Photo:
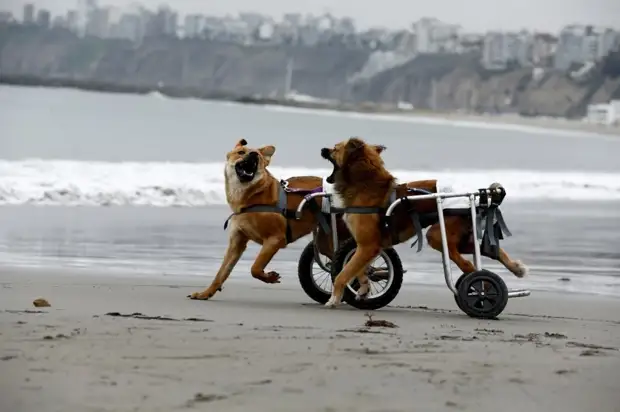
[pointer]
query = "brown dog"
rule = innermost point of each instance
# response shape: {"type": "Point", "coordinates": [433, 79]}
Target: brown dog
{"type": "Point", "coordinates": [362, 181]}
{"type": "Point", "coordinates": [264, 213]}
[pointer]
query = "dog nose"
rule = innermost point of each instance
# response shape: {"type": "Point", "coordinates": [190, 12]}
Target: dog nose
{"type": "Point", "coordinates": [325, 152]}
{"type": "Point", "coordinates": [252, 155]}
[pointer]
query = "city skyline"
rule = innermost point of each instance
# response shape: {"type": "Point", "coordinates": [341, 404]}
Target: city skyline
{"type": "Point", "coordinates": [502, 16]}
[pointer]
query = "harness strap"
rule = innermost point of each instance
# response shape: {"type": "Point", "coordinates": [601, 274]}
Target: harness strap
{"type": "Point", "coordinates": [281, 208]}
{"type": "Point", "coordinates": [417, 227]}
{"type": "Point", "coordinates": [415, 216]}
{"type": "Point", "coordinates": [494, 229]}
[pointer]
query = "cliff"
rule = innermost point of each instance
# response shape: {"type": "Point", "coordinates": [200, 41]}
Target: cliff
{"type": "Point", "coordinates": [458, 82]}
{"type": "Point", "coordinates": [184, 67]}
{"type": "Point", "coordinates": [212, 67]}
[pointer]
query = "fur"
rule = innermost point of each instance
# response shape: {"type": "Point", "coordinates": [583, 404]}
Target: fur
{"type": "Point", "coordinates": [266, 229]}
{"type": "Point", "coordinates": [362, 180]}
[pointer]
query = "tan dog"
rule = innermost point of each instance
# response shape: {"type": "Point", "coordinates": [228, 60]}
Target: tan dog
{"type": "Point", "coordinates": [362, 181]}
{"type": "Point", "coordinates": [255, 197]}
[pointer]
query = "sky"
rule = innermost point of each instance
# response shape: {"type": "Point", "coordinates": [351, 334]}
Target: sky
{"type": "Point", "coordinates": [472, 15]}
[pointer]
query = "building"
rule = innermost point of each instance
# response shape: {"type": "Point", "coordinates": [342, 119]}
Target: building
{"type": "Point", "coordinates": [544, 46]}
{"type": "Point", "coordinates": [84, 13]}
{"type": "Point", "coordinates": [98, 24]}
{"type": "Point", "coordinates": [129, 26]}
{"type": "Point", "coordinates": [72, 20]}
{"type": "Point", "coordinates": [28, 16]}
{"type": "Point", "coordinates": [493, 51]}
{"type": "Point", "coordinates": [608, 41]}
{"type": "Point", "coordinates": [6, 17]}
{"type": "Point", "coordinates": [578, 44]}
{"type": "Point", "coordinates": [604, 113]}
{"type": "Point", "coordinates": [503, 50]}
{"type": "Point", "coordinates": [59, 22]}
{"type": "Point", "coordinates": [44, 18]}
{"type": "Point", "coordinates": [193, 25]}
{"type": "Point", "coordinates": [471, 42]}
{"type": "Point", "coordinates": [433, 36]}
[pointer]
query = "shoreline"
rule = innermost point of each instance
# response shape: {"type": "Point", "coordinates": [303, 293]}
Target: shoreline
{"type": "Point", "coordinates": [269, 348]}
{"type": "Point", "coordinates": [368, 108]}
{"type": "Point", "coordinates": [434, 283]}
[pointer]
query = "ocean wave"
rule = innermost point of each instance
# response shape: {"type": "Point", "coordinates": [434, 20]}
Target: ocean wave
{"type": "Point", "coordinates": [73, 183]}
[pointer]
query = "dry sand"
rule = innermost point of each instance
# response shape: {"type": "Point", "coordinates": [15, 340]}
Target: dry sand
{"type": "Point", "coordinates": [268, 348]}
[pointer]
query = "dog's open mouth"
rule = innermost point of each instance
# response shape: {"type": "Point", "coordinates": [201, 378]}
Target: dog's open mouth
{"type": "Point", "coordinates": [246, 168]}
{"type": "Point", "coordinates": [325, 154]}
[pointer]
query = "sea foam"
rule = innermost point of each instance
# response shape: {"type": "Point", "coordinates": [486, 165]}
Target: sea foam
{"type": "Point", "coordinates": [69, 182]}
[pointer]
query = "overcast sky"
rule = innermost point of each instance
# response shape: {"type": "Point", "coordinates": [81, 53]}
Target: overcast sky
{"type": "Point", "coordinates": [473, 15]}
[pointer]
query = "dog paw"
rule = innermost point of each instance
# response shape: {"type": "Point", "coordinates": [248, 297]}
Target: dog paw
{"type": "Point", "coordinates": [332, 302]}
{"type": "Point", "coordinates": [362, 292]}
{"type": "Point", "coordinates": [521, 270]}
{"type": "Point", "coordinates": [271, 277]}
{"type": "Point", "coordinates": [200, 296]}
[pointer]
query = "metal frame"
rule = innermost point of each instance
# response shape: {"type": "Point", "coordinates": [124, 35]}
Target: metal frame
{"type": "Point", "coordinates": [332, 222]}
{"type": "Point", "coordinates": [439, 198]}
{"type": "Point", "coordinates": [447, 269]}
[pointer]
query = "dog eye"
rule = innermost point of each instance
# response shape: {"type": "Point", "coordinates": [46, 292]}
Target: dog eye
{"type": "Point", "coordinates": [240, 152]}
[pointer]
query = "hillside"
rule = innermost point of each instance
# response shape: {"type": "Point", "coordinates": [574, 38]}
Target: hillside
{"type": "Point", "coordinates": [210, 69]}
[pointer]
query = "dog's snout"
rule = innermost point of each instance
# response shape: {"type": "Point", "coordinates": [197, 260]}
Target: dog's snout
{"type": "Point", "coordinates": [252, 155]}
{"type": "Point", "coordinates": [325, 153]}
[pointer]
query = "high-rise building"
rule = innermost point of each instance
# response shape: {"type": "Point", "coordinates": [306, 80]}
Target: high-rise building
{"type": "Point", "coordinates": [6, 17]}
{"type": "Point", "coordinates": [72, 20]}
{"type": "Point", "coordinates": [28, 17]}
{"type": "Point", "coordinates": [44, 18]}
{"type": "Point", "coordinates": [85, 10]}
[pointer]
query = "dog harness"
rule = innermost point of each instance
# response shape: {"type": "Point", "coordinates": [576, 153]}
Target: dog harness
{"type": "Point", "coordinates": [281, 208]}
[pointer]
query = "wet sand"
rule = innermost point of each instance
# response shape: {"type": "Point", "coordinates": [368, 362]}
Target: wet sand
{"type": "Point", "coordinates": [269, 348]}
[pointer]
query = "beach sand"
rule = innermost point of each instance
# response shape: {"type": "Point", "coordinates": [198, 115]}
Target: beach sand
{"type": "Point", "coordinates": [269, 348]}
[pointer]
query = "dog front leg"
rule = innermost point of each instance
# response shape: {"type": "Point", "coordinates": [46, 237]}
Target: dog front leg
{"type": "Point", "coordinates": [267, 252]}
{"type": "Point", "coordinates": [236, 246]}
{"type": "Point", "coordinates": [354, 268]}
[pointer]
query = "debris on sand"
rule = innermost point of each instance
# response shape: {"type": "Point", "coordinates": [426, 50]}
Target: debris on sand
{"type": "Point", "coordinates": [378, 323]}
{"type": "Point", "coordinates": [139, 315]}
{"type": "Point", "coordinates": [202, 398]}
{"type": "Point", "coordinates": [555, 335]}
{"type": "Point", "coordinates": [589, 346]}
{"type": "Point", "coordinates": [41, 303]}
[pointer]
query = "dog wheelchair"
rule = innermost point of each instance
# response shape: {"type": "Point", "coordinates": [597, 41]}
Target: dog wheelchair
{"type": "Point", "coordinates": [480, 294]}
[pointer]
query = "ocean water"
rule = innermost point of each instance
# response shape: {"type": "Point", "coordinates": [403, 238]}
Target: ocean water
{"type": "Point", "coordinates": [134, 184]}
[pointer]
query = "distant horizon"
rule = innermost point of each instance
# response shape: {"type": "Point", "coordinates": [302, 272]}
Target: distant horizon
{"type": "Point", "coordinates": [555, 14]}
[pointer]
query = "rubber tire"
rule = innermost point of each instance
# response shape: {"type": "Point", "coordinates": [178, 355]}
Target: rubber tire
{"type": "Point", "coordinates": [499, 284]}
{"type": "Point", "coordinates": [372, 303]}
{"type": "Point", "coordinates": [304, 272]}
{"type": "Point", "coordinates": [457, 297]}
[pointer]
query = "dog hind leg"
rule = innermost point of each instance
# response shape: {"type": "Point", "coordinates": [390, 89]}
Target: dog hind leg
{"type": "Point", "coordinates": [516, 267]}
{"type": "Point", "coordinates": [237, 244]}
{"type": "Point", "coordinates": [454, 229]}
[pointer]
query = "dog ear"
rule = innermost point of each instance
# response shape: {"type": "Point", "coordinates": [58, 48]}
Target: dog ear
{"type": "Point", "coordinates": [242, 143]}
{"type": "Point", "coordinates": [379, 148]}
{"type": "Point", "coordinates": [267, 152]}
{"type": "Point", "coordinates": [353, 145]}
